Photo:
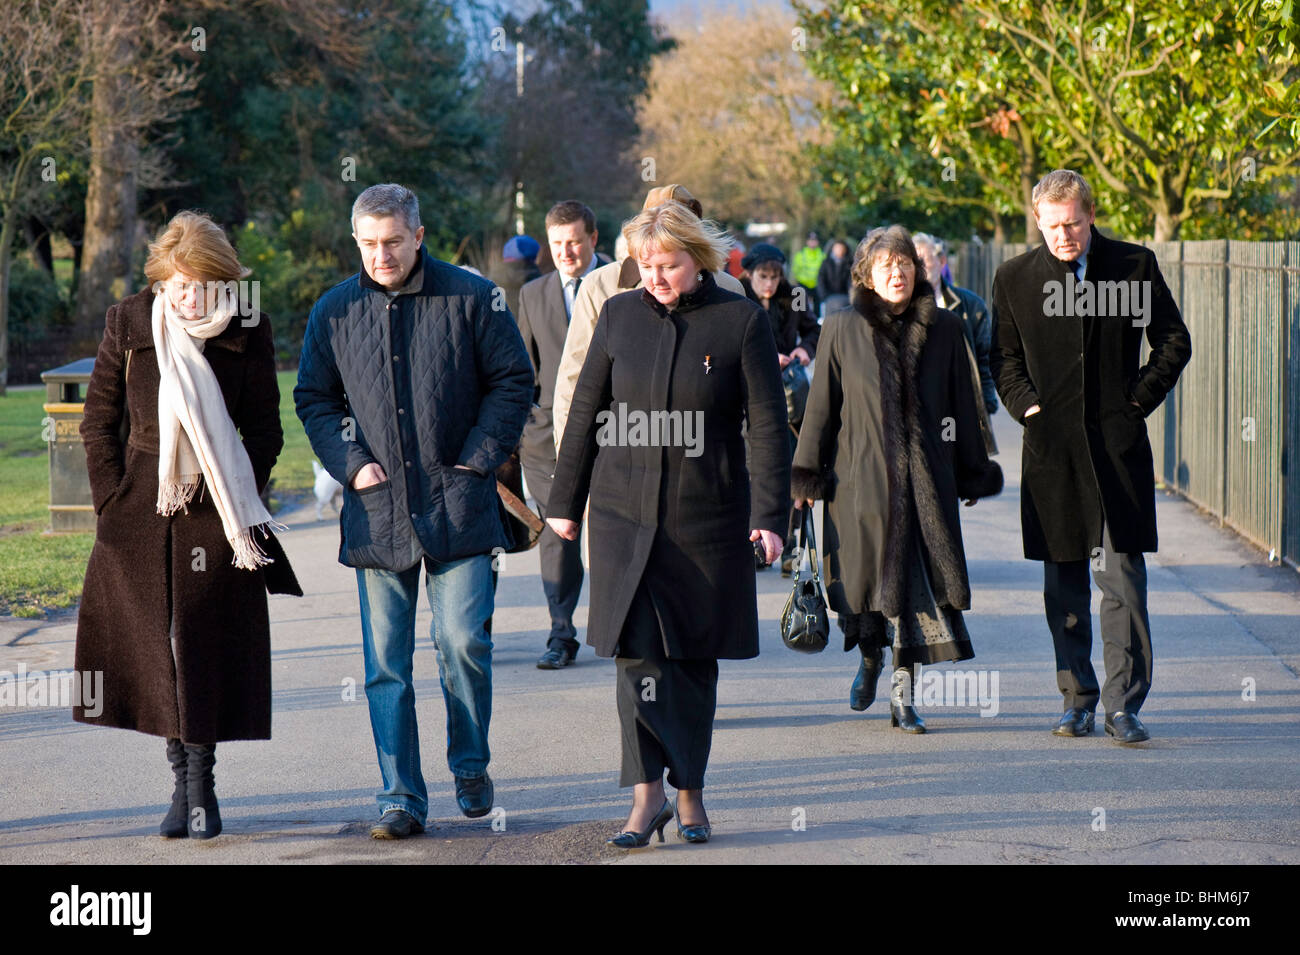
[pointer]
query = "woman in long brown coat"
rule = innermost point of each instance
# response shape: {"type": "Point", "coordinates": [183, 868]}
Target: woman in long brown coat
{"type": "Point", "coordinates": [173, 609]}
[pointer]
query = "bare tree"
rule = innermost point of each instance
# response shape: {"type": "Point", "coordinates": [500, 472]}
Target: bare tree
{"type": "Point", "coordinates": [44, 73]}
{"type": "Point", "coordinates": [730, 113]}
{"type": "Point", "coordinates": [139, 85]}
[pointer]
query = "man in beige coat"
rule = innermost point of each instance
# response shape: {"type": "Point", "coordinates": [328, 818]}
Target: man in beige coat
{"type": "Point", "coordinates": [597, 287]}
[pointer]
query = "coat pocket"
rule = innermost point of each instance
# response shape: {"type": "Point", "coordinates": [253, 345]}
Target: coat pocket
{"type": "Point", "coordinates": [367, 521]}
{"type": "Point", "coordinates": [469, 499]}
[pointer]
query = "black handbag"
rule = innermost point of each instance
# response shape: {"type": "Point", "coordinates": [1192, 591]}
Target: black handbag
{"type": "Point", "coordinates": [797, 386]}
{"type": "Point", "coordinates": [805, 622]}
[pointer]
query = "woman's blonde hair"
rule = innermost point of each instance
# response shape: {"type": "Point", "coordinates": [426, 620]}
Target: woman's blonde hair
{"type": "Point", "coordinates": [672, 227]}
{"type": "Point", "coordinates": [195, 245]}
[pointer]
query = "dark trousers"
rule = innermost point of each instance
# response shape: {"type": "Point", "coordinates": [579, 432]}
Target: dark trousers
{"type": "Point", "coordinates": [665, 707]}
{"type": "Point", "coordinates": [561, 560]}
{"type": "Point", "coordinates": [1125, 629]}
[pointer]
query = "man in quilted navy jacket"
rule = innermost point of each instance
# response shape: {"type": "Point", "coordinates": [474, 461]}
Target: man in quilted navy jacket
{"type": "Point", "coordinates": [413, 388]}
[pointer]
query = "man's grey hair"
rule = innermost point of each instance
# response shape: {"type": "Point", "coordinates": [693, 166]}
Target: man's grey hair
{"type": "Point", "coordinates": [387, 199]}
{"type": "Point", "coordinates": [934, 242]}
{"type": "Point", "coordinates": [1063, 185]}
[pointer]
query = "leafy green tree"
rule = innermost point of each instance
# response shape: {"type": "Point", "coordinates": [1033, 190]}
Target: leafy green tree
{"type": "Point", "coordinates": [1170, 107]}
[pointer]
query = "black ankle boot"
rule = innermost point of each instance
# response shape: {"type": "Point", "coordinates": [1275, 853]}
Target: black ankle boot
{"type": "Point", "coordinates": [175, 824]}
{"type": "Point", "coordinates": [901, 694]}
{"type": "Point", "coordinates": [204, 814]}
{"type": "Point", "coordinates": [863, 691]}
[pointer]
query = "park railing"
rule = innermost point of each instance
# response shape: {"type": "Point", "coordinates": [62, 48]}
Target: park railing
{"type": "Point", "coordinates": [1228, 436]}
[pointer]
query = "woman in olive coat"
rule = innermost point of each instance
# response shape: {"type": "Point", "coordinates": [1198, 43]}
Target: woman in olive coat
{"type": "Point", "coordinates": [891, 441]}
{"type": "Point", "coordinates": [180, 633]}
{"type": "Point", "coordinates": [654, 434]}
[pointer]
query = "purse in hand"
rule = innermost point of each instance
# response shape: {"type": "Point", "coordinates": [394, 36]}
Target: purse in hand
{"type": "Point", "coordinates": [797, 388]}
{"type": "Point", "coordinates": [521, 522]}
{"type": "Point", "coordinates": [805, 622]}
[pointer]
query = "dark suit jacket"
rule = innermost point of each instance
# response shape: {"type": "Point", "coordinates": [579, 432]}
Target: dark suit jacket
{"type": "Point", "coordinates": [1086, 453]}
{"type": "Point", "coordinates": [543, 324]}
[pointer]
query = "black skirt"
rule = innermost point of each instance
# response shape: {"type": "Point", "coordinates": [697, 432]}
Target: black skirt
{"type": "Point", "coordinates": [665, 706]}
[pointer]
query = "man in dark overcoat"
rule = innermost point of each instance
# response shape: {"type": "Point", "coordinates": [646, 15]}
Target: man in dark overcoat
{"type": "Point", "coordinates": [1069, 319]}
{"type": "Point", "coordinates": [545, 305]}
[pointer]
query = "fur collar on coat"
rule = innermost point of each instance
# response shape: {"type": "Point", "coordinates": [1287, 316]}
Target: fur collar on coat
{"type": "Point", "coordinates": [898, 341]}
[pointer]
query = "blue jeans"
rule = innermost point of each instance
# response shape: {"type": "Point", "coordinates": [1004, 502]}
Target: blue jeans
{"type": "Point", "coordinates": [461, 598]}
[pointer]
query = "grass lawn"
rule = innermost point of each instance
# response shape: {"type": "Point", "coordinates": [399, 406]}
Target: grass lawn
{"type": "Point", "coordinates": [40, 572]}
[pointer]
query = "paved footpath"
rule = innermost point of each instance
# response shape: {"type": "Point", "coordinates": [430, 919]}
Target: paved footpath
{"type": "Point", "coordinates": [795, 775]}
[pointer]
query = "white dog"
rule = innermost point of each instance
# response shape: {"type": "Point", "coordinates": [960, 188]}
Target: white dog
{"type": "Point", "coordinates": [327, 490]}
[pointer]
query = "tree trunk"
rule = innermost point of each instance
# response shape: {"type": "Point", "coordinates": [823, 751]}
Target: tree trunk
{"type": "Point", "coordinates": [111, 192]}
{"type": "Point", "coordinates": [1000, 231]}
{"type": "Point", "coordinates": [6, 243]}
{"type": "Point", "coordinates": [1166, 226]}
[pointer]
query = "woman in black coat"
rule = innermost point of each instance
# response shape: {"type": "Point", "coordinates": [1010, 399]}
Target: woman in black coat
{"type": "Point", "coordinates": [181, 429]}
{"type": "Point", "coordinates": [796, 330]}
{"type": "Point", "coordinates": [654, 435]}
{"type": "Point", "coordinates": [834, 278]}
{"type": "Point", "coordinates": [891, 441]}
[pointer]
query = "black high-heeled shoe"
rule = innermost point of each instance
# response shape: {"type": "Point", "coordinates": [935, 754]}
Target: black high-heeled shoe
{"type": "Point", "coordinates": [629, 839]}
{"type": "Point", "coordinates": [698, 833]}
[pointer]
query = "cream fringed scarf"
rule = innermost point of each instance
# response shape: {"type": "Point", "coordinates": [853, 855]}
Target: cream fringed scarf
{"type": "Point", "coordinates": [196, 438]}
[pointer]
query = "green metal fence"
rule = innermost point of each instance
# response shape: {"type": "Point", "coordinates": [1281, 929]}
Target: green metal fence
{"type": "Point", "coordinates": [1228, 437]}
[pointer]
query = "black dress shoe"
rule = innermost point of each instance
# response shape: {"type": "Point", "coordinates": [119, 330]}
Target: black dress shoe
{"type": "Point", "coordinates": [474, 795]}
{"type": "Point", "coordinates": [1126, 727]}
{"type": "Point", "coordinates": [556, 658]}
{"type": "Point", "coordinates": [395, 824]}
{"type": "Point", "coordinates": [1075, 722]}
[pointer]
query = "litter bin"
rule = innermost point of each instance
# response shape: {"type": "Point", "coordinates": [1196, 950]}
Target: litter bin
{"type": "Point", "coordinates": [71, 509]}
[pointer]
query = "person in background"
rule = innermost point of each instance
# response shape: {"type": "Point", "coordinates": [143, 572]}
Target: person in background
{"type": "Point", "coordinates": [807, 263]}
{"type": "Point", "coordinates": [834, 278]}
{"type": "Point", "coordinates": [517, 268]}
{"type": "Point", "coordinates": [967, 306]}
{"type": "Point", "coordinates": [543, 318]}
{"type": "Point", "coordinates": [796, 330]}
{"type": "Point", "coordinates": [735, 256]}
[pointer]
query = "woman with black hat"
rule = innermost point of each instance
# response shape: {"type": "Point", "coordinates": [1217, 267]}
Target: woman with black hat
{"type": "Point", "coordinates": [793, 325]}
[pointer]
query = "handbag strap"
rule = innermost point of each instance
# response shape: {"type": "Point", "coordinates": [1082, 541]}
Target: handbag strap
{"type": "Point", "coordinates": [808, 541]}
